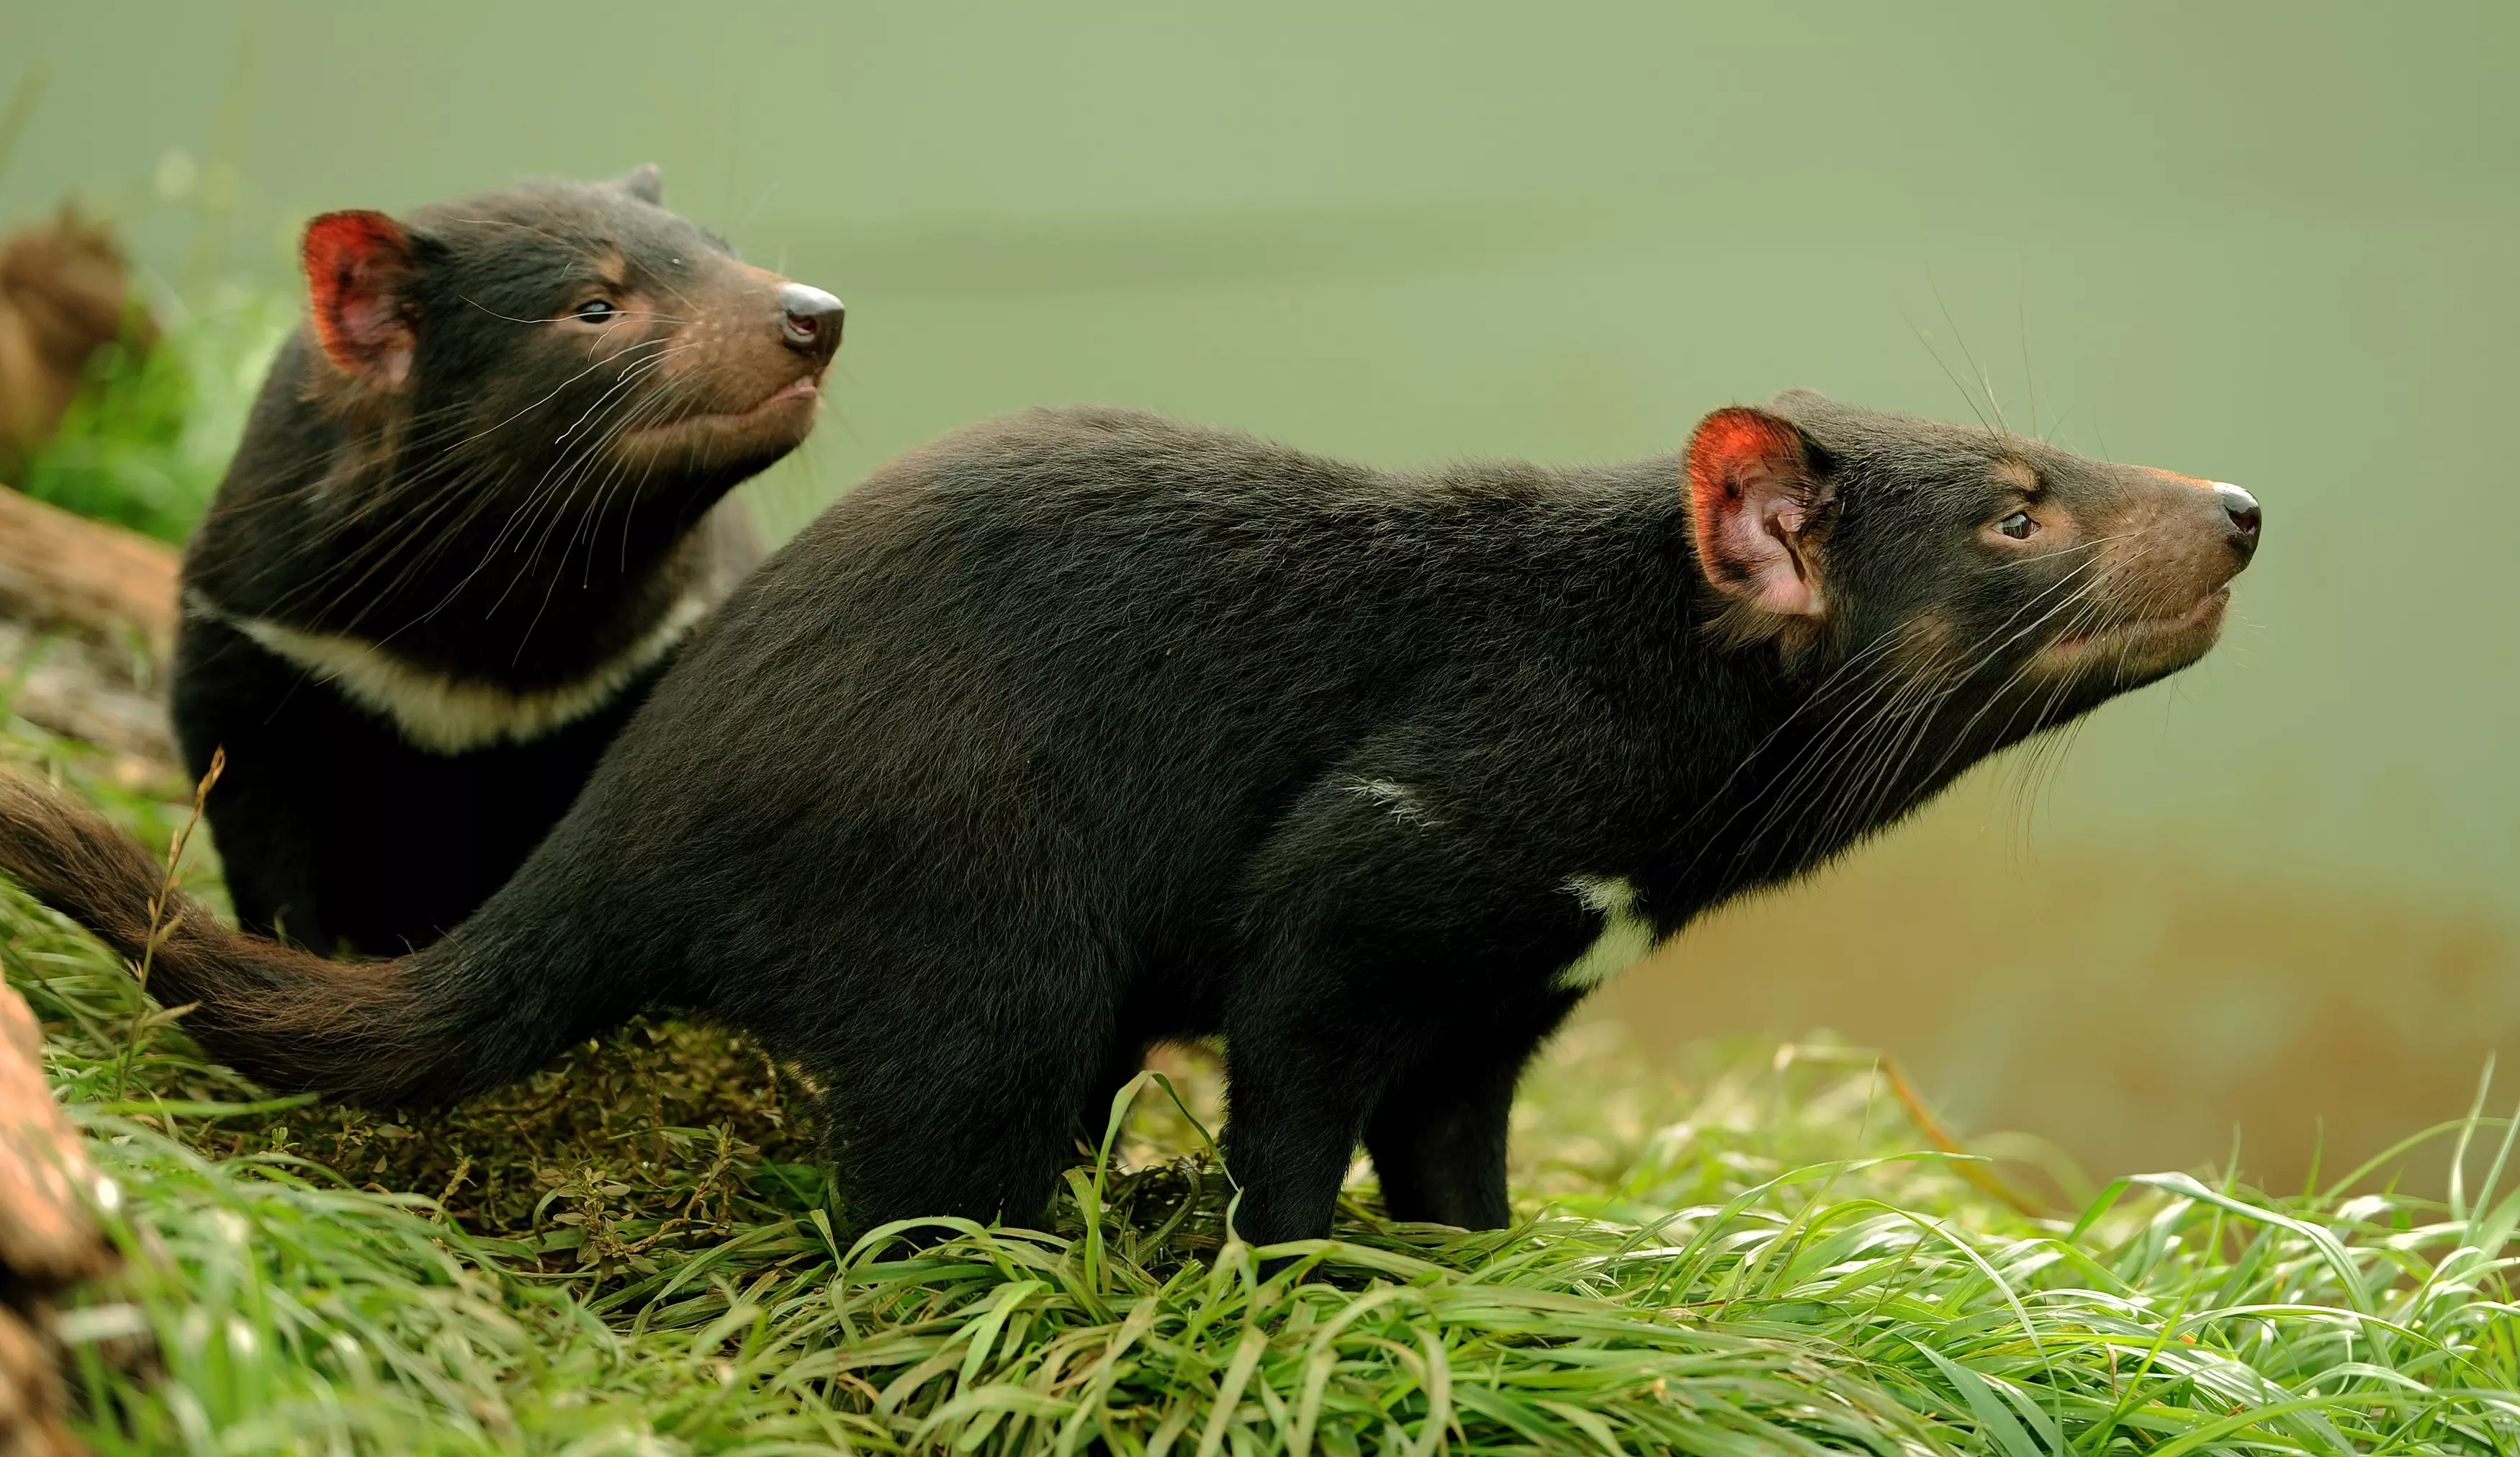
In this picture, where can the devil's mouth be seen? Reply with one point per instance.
(803, 389)
(2200, 619)
(803, 386)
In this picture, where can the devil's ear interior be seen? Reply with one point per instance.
(645, 182)
(359, 268)
(1753, 494)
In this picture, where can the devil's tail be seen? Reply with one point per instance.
(464, 1015)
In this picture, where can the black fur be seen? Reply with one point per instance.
(520, 500)
(1087, 729)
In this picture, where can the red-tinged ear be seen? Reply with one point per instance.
(1752, 494)
(358, 269)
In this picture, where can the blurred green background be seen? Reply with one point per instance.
(2268, 244)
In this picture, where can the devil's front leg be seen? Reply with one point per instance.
(234, 700)
(1437, 1136)
(1397, 972)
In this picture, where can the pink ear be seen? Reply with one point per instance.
(1751, 493)
(357, 264)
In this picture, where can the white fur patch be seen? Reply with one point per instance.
(1404, 803)
(1626, 937)
(445, 714)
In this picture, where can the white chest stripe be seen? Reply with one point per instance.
(1626, 937)
(448, 714)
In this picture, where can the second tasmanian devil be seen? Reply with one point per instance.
(1087, 729)
(469, 522)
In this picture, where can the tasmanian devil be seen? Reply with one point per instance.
(1086, 729)
(469, 521)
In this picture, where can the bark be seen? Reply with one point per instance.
(49, 1239)
(87, 620)
(58, 569)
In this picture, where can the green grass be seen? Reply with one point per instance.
(631, 1254)
(149, 433)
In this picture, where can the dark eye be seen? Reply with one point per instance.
(595, 310)
(2018, 526)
